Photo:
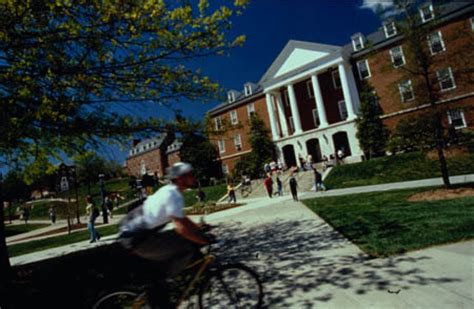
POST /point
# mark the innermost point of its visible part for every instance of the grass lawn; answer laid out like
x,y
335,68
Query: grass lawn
x,y
58,241
385,223
213,193
403,167
16,229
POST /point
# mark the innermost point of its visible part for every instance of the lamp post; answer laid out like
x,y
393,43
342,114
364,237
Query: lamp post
x,y
102,193
73,175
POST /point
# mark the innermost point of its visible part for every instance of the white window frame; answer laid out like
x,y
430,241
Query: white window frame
x,y
250,110
218,122
248,90
291,123
309,89
401,87
440,35
342,110
361,42
368,69
234,119
221,145
450,119
238,142
287,97
334,74
430,8
230,97
393,57
316,118
225,169
451,76
386,29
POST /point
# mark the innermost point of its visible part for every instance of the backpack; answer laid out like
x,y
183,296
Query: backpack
x,y
95,212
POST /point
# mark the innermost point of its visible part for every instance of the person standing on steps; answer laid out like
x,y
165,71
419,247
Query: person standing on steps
x,y
318,181
279,185
293,187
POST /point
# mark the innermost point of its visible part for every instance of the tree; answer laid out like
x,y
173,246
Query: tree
x,y
371,131
263,149
422,69
88,167
197,150
68,69
414,134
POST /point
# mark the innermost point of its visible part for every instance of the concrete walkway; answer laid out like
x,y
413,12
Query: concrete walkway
x,y
305,264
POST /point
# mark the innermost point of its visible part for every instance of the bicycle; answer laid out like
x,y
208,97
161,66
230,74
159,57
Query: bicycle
x,y
217,285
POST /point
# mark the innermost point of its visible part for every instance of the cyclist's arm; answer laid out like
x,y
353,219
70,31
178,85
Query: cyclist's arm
x,y
189,230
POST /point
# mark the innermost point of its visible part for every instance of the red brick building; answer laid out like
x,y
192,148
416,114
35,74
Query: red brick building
x,y
450,44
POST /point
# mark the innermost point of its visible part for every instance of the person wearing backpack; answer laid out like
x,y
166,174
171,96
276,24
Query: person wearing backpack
x,y
143,232
92,212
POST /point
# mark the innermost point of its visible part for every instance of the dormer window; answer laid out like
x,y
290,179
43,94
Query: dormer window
x,y
390,29
358,41
248,89
230,96
427,12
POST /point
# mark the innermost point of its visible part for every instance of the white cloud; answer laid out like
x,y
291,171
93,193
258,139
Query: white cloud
x,y
377,5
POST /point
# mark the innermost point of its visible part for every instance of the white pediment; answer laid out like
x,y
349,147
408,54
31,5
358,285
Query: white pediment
x,y
298,58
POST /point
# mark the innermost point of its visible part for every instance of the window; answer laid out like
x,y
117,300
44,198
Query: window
x,y
225,169
357,42
287,97
233,117
427,13
472,23
406,91
364,71
218,121
435,41
336,80
221,144
292,124
446,79
342,109
237,142
309,87
248,89
398,58
456,118
316,118
390,29
250,109
231,96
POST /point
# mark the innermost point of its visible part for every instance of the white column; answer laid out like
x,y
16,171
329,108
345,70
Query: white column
x,y
346,89
354,90
319,101
281,114
271,113
294,110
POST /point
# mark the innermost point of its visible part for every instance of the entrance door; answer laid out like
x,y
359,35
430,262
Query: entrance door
x,y
314,150
289,155
342,142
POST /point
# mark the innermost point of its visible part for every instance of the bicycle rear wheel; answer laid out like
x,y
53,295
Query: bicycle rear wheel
x,y
122,299
231,286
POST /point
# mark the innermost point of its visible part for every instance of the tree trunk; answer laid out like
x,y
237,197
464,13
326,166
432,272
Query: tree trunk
x,y
5,267
440,148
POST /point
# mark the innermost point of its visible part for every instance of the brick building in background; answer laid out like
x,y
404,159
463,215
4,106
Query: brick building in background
x,y
382,64
309,97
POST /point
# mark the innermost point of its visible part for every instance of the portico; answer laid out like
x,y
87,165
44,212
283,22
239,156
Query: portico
x,y
302,63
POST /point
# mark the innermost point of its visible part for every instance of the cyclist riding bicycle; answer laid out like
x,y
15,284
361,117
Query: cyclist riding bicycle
x,y
143,230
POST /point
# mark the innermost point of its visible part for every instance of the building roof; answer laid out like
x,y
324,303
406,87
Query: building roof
x,y
147,145
241,99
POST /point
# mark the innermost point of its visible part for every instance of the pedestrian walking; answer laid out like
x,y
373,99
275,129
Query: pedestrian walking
x,y
52,214
318,181
294,187
26,214
109,205
231,193
92,212
268,184
279,186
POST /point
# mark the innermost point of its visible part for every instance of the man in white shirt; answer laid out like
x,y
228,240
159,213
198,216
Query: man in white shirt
x,y
142,231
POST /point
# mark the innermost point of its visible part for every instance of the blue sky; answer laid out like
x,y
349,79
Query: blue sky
x,y
269,25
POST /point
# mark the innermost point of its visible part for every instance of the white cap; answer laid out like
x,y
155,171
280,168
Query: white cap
x,y
178,169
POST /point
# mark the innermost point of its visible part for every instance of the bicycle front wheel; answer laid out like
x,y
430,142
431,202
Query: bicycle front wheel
x,y
122,299
231,286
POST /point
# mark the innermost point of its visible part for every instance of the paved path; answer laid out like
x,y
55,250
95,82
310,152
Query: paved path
x,y
305,264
